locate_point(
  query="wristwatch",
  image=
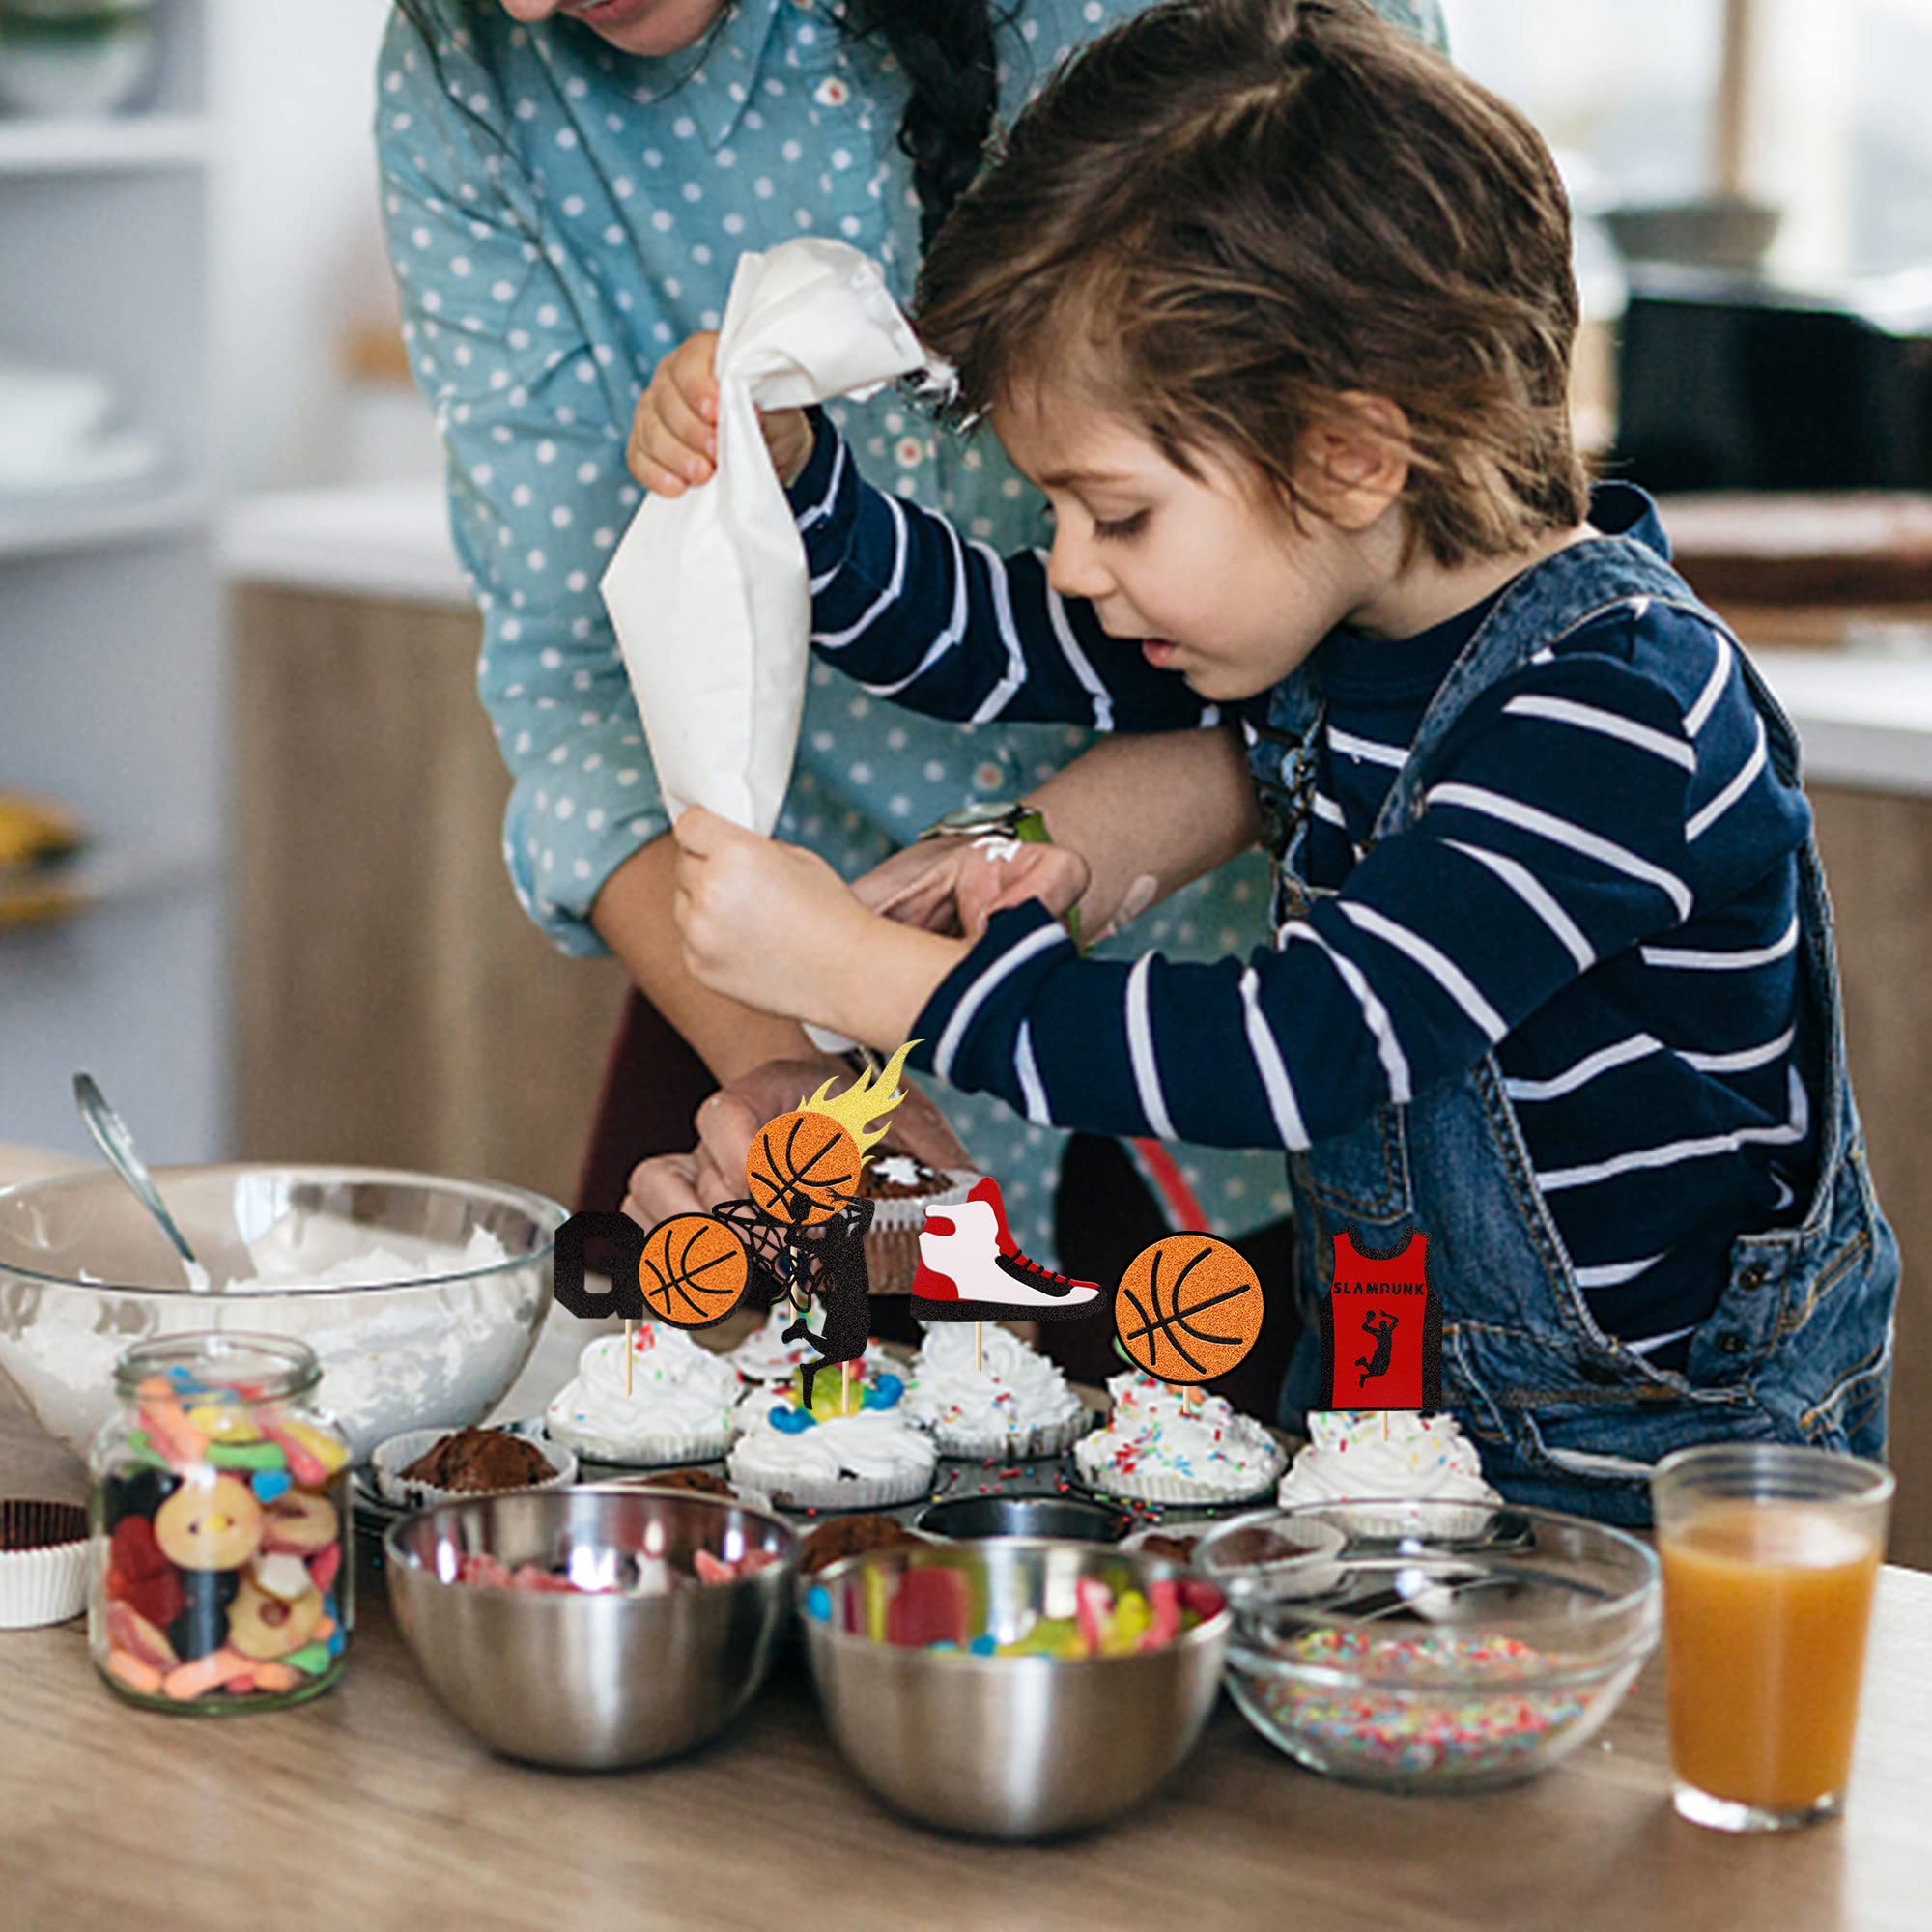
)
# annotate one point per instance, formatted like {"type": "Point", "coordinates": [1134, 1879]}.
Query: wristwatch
{"type": "Point", "coordinates": [1009, 818]}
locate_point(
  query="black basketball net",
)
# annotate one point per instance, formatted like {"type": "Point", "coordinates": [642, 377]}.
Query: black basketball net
{"type": "Point", "coordinates": [798, 1263]}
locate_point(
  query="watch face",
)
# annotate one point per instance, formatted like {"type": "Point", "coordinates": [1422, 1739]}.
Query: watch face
{"type": "Point", "coordinates": [994, 817]}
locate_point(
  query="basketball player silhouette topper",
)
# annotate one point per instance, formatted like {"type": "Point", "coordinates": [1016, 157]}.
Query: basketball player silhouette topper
{"type": "Point", "coordinates": [800, 1233]}
{"type": "Point", "coordinates": [1382, 1330]}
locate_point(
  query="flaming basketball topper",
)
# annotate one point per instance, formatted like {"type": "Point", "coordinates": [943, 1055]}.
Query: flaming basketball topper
{"type": "Point", "coordinates": [803, 1166]}
{"type": "Point", "coordinates": [861, 1102]}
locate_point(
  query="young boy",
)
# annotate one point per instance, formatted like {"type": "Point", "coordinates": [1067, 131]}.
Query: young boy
{"type": "Point", "coordinates": [1277, 310]}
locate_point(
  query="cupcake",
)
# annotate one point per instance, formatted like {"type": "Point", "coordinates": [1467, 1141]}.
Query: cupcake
{"type": "Point", "coordinates": [765, 1356]}
{"type": "Point", "coordinates": [1365, 1456]}
{"type": "Point", "coordinates": [1172, 1445]}
{"type": "Point", "coordinates": [678, 1410]}
{"type": "Point", "coordinates": [434, 1465]}
{"type": "Point", "coordinates": [850, 1535]}
{"type": "Point", "coordinates": [856, 1450]}
{"type": "Point", "coordinates": [42, 1563]}
{"type": "Point", "coordinates": [901, 1189]}
{"type": "Point", "coordinates": [1014, 1403]}
{"type": "Point", "coordinates": [688, 1482]}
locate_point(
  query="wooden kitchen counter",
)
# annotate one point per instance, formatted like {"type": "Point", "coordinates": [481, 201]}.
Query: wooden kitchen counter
{"type": "Point", "coordinates": [370, 1808]}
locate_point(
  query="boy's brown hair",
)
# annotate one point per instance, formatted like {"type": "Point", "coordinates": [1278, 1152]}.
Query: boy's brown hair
{"type": "Point", "coordinates": [1226, 216]}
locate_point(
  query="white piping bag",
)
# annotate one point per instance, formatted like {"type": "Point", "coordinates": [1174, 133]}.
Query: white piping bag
{"type": "Point", "coordinates": [708, 590]}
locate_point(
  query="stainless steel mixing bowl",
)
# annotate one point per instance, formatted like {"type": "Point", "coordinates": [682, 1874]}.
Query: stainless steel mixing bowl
{"type": "Point", "coordinates": [590, 1682]}
{"type": "Point", "coordinates": [1011, 1747]}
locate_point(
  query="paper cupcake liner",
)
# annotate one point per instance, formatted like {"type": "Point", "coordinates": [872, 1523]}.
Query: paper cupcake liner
{"type": "Point", "coordinates": [1382, 1518]}
{"type": "Point", "coordinates": [647, 1452]}
{"type": "Point", "coordinates": [964, 1442]}
{"type": "Point", "coordinates": [394, 1457]}
{"type": "Point", "coordinates": [42, 1563]}
{"type": "Point", "coordinates": [1161, 1486]}
{"type": "Point", "coordinates": [783, 1490]}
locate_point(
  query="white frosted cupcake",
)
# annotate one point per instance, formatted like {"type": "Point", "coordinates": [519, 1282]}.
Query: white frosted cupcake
{"type": "Point", "coordinates": [867, 1457]}
{"type": "Point", "coordinates": [678, 1411]}
{"type": "Point", "coordinates": [766, 1356]}
{"type": "Point", "coordinates": [1170, 1445]}
{"type": "Point", "coordinates": [902, 1188]}
{"type": "Point", "coordinates": [1361, 1456]}
{"type": "Point", "coordinates": [1015, 1404]}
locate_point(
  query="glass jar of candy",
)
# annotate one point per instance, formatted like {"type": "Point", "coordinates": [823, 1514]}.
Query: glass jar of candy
{"type": "Point", "coordinates": [220, 1574]}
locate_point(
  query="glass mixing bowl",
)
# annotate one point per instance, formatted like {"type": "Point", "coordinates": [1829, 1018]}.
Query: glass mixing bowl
{"type": "Point", "coordinates": [1456, 1649]}
{"type": "Point", "coordinates": [84, 1272]}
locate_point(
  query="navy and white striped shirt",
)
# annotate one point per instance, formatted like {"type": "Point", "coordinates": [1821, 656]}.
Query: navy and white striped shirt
{"type": "Point", "coordinates": [1602, 887]}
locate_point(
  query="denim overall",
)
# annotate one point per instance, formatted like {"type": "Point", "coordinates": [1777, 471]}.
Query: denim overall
{"type": "Point", "coordinates": [1799, 1347]}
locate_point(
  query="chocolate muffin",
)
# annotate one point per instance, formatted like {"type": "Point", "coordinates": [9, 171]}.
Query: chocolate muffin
{"type": "Point", "coordinates": [848, 1535]}
{"type": "Point", "coordinates": [700, 1481]}
{"type": "Point", "coordinates": [480, 1460]}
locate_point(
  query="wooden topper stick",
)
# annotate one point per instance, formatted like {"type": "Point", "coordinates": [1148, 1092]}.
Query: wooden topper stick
{"type": "Point", "coordinates": [979, 1341]}
{"type": "Point", "coordinates": [630, 1329]}
{"type": "Point", "coordinates": [845, 1387]}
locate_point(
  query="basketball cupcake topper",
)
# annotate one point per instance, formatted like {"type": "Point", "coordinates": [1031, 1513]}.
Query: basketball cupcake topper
{"type": "Point", "coordinates": [1189, 1308]}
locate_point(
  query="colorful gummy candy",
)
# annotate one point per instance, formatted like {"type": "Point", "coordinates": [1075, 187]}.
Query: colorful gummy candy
{"type": "Point", "coordinates": [831, 1398]}
{"type": "Point", "coordinates": [1425, 1728]}
{"type": "Point", "coordinates": [932, 1608]}
{"type": "Point", "coordinates": [659, 1581]}
{"type": "Point", "coordinates": [222, 1521]}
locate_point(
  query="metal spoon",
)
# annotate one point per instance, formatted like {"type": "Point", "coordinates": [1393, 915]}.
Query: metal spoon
{"type": "Point", "coordinates": [111, 1136]}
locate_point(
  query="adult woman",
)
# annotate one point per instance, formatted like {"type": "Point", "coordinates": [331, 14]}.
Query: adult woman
{"type": "Point", "coordinates": [566, 188]}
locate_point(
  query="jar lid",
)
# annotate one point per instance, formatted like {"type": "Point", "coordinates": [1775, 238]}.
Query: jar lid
{"type": "Point", "coordinates": [255, 1368]}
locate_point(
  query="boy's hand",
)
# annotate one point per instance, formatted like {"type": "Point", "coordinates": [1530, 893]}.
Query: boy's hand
{"type": "Point", "coordinates": [775, 927]}
{"type": "Point", "coordinates": [767, 924]}
{"type": "Point", "coordinates": [674, 433]}
{"type": "Point", "coordinates": [955, 885]}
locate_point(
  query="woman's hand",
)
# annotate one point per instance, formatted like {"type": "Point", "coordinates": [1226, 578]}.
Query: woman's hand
{"type": "Point", "coordinates": [955, 885]}
{"type": "Point", "coordinates": [713, 1170]}
{"type": "Point", "coordinates": [674, 433]}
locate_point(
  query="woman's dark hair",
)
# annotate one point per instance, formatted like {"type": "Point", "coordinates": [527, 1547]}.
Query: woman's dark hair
{"type": "Point", "coordinates": [1226, 218]}
{"type": "Point", "coordinates": [945, 51]}
{"type": "Point", "coordinates": [944, 48]}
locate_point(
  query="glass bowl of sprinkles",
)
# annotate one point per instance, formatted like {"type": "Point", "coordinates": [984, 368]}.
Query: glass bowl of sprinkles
{"type": "Point", "coordinates": [1436, 1654]}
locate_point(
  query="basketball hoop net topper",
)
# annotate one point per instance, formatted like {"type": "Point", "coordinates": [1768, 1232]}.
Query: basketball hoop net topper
{"type": "Point", "coordinates": [1382, 1330]}
{"type": "Point", "coordinates": [798, 1233]}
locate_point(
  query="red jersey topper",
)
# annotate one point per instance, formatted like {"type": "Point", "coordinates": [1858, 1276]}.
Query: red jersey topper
{"type": "Point", "coordinates": [1382, 1330]}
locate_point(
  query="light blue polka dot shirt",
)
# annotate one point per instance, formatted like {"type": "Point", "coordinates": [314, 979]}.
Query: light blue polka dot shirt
{"type": "Point", "coordinates": [559, 215]}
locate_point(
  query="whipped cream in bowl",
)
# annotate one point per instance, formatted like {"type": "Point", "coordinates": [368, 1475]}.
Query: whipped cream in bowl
{"type": "Point", "coordinates": [1377, 1460]}
{"type": "Point", "coordinates": [421, 1297]}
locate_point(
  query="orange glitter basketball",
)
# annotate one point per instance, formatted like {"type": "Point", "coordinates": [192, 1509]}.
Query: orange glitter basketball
{"type": "Point", "coordinates": [1189, 1308]}
{"type": "Point", "coordinates": [692, 1270]}
{"type": "Point", "coordinates": [803, 1168]}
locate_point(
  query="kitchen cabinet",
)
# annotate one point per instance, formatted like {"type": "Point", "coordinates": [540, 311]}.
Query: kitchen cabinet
{"type": "Point", "coordinates": [110, 691]}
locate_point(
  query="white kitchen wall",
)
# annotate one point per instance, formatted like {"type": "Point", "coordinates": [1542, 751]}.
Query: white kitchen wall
{"type": "Point", "coordinates": [297, 250]}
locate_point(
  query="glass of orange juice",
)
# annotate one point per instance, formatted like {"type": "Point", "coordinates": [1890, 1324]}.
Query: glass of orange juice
{"type": "Point", "coordinates": [1770, 1557]}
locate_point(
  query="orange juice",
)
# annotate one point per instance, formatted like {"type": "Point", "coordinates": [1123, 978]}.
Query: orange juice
{"type": "Point", "coordinates": [1765, 1612]}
